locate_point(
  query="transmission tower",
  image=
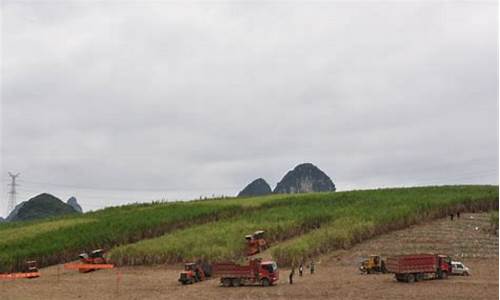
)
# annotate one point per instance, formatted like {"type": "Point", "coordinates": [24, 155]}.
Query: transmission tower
{"type": "Point", "coordinates": [12, 193]}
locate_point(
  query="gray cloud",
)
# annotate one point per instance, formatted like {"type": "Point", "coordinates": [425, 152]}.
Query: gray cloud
{"type": "Point", "coordinates": [133, 101]}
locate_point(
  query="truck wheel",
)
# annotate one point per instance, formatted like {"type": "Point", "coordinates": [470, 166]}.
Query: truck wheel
{"type": "Point", "coordinates": [419, 277]}
{"type": "Point", "coordinates": [236, 282]}
{"type": "Point", "coordinates": [226, 282]}
{"type": "Point", "coordinates": [265, 282]}
{"type": "Point", "coordinates": [410, 278]}
{"type": "Point", "coordinates": [466, 273]}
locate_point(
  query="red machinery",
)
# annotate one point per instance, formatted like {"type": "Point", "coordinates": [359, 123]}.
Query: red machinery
{"type": "Point", "coordinates": [95, 257]}
{"type": "Point", "coordinates": [255, 243]}
{"type": "Point", "coordinates": [410, 268]}
{"type": "Point", "coordinates": [260, 272]}
{"type": "Point", "coordinates": [30, 270]}
{"type": "Point", "coordinates": [194, 272]}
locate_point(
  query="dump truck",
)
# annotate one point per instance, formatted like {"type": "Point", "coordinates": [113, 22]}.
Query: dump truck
{"type": "Point", "coordinates": [94, 258]}
{"type": "Point", "coordinates": [255, 243]}
{"type": "Point", "coordinates": [195, 272]}
{"type": "Point", "coordinates": [257, 272]}
{"type": "Point", "coordinates": [373, 264]}
{"type": "Point", "coordinates": [417, 267]}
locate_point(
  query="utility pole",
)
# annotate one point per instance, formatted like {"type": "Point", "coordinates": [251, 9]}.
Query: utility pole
{"type": "Point", "coordinates": [12, 194]}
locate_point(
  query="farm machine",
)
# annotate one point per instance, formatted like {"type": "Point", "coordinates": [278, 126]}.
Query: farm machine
{"type": "Point", "coordinates": [373, 264]}
{"type": "Point", "coordinates": [31, 267]}
{"type": "Point", "coordinates": [256, 243]}
{"type": "Point", "coordinates": [29, 270]}
{"type": "Point", "coordinates": [95, 257]}
{"type": "Point", "coordinates": [194, 272]}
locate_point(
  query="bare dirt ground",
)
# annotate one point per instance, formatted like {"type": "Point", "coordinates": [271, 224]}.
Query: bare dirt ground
{"type": "Point", "coordinates": [336, 277]}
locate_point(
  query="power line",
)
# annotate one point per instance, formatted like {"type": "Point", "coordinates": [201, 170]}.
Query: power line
{"type": "Point", "coordinates": [144, 189]}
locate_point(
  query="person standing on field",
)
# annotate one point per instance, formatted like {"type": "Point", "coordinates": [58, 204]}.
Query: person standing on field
{"type": "Point", "coordinates": [301, 269]}
{"type": "Point", "coordinates": [290, 277]}
{"type": "Point", "coordinates": [312, 267]}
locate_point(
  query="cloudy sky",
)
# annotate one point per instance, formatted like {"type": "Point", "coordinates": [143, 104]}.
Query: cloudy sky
{"type": "Point", "coordinates": [125, 101]}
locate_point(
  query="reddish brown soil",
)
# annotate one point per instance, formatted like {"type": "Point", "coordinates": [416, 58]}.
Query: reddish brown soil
{"type": "Point", "coordinates": [336, 274]}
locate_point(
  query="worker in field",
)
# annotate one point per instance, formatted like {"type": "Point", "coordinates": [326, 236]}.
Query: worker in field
{"type": "Point", "coordinates": [451, 216]}
{"type": "Point", "coordinates": [301, 269]}
{"type": "Point", "coordinates": [312, 267]}
{"type": "Point", "coordinates": [458, 214]}
{"type": "Point", "coordinates": [290, 277]}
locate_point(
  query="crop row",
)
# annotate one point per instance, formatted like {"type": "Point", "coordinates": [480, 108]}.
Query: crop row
{"type": "Point", "coordinates": [383, 212]}
{"type": "Point", "coordinates": [308, 224]}
{"type": "Point", "coordinates": [53, 241]}
{"type": "Point", "coordinates": [225, 239]}
{"type": "Point", "coordinates": [59, 240]}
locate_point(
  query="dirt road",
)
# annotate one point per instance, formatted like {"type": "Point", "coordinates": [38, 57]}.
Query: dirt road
{"type": "Point", "coordinates": [336, 274]}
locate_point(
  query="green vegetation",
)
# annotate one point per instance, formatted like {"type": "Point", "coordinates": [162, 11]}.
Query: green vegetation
{"type": "Point", "coordinates": [309, 224]}
{"type": "Point", "coordinates": [381, 212]}
{"type": "Point", "coordinates": [297, 225]}
{"type": "Point", "coordinates": [54, 241]}
{"type": "Point", "coordinates": [225, 239]}
{"type": "Point", "coordinates": [494, 222]}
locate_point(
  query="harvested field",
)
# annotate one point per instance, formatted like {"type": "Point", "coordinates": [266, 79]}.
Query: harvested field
{"type": "Point", "coordinates": [336, 277]}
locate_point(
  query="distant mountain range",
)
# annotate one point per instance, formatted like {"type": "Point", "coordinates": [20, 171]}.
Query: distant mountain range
{"type": "Point", "coordinates": [304, 178]}
{"type": "Point", "coordinates": [43, 206]}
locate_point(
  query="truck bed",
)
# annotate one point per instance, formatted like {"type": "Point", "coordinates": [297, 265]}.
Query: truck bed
{"type": "Point", "coordinates": [232, 270]}
{"type": "Point", "coordinates": [420, 263]}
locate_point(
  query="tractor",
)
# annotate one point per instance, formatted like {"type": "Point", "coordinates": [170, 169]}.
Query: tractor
{"type": "Point", "coordinates": [94, 258]}
{"type": "Point", "coordinates": [31, 268]}
{"type": "Point", "coordinates": [194, 272]}
{"type": "Point", "coordinates": [256, 243]}
{"type": "Point", "coordinates": [374, 264]}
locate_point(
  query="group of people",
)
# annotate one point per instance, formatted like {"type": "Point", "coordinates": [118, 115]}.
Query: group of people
{"type": "Point", "coordinates": [301, 271]}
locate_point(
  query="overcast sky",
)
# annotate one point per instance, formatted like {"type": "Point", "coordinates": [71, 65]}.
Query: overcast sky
{"type": "Point", "coordinates": [135, 101]}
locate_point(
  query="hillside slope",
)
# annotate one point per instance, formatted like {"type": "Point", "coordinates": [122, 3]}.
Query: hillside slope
{"type": "Point", "coordinates": [309, 224]}
{"type": "Point", "coordinates": [336, 277]}
{"type": "Point", "coordinates": [297, 225]}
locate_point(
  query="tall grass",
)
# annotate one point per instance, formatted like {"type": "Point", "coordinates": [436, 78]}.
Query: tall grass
{"type": "Point", "coordinates": [383, 211]}
{"type": "Point", "coordinates": [58, 240]}
{"type": "Point", "coordinates": [309, 224]}
{"type": "Point", "coordinates": [225, 238]}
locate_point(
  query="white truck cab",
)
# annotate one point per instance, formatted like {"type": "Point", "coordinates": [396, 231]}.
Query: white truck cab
{"type": "Point", "coordinates": [458, 268]}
